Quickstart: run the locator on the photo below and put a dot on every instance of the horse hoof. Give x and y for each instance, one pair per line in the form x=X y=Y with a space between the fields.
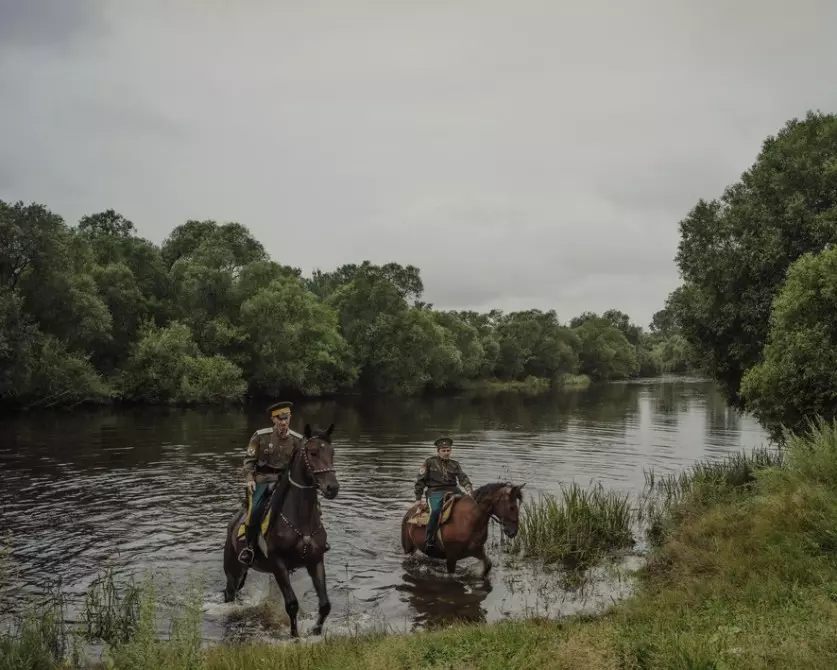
x=317 y=630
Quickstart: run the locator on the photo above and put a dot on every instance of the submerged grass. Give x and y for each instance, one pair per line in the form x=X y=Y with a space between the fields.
x=744 y=576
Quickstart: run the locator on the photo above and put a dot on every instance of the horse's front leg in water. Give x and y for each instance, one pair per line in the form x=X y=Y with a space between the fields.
x=318 y=576
x=486 y=562
x=283 y=579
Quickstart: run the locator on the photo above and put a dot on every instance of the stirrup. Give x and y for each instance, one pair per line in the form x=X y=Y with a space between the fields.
x=246 y=556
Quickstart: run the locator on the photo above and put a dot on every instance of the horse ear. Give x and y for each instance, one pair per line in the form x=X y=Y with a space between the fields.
x=330 y=430
x=307 y=431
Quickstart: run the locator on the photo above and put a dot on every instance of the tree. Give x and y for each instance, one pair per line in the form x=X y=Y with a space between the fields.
x=166 y=366
x=734 y=252
x=605 y=351
x=295 y=340
x=797 y=380
x=405 y=279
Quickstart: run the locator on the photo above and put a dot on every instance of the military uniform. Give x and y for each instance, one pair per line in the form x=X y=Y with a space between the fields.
x=268 y=455
x=267 y=458
x=439 y=476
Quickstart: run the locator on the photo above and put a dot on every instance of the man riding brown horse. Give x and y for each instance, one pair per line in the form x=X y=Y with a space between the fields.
x=439 y=475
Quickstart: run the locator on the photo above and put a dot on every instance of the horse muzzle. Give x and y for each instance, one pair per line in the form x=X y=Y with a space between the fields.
x=330 y=490
x=510 y=530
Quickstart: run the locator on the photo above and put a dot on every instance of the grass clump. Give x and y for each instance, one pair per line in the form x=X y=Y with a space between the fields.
x=575 y=529
x=668 y=500
x=570 y=381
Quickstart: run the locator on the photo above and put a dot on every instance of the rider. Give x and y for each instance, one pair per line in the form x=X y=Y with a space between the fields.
x=439 y=475
x=268 y=455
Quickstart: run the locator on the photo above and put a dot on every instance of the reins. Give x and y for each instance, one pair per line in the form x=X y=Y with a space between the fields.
x=306 y=539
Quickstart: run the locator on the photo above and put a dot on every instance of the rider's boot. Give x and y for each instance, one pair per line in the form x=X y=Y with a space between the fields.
x=247 y=555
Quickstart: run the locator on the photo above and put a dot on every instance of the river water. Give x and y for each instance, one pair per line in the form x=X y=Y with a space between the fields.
x=151 y=489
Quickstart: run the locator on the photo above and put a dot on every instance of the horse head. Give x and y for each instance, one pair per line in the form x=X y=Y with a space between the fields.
x=505 y=502
x=316 y=456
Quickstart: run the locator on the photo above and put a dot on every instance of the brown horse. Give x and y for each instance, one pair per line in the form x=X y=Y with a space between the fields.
x=295 y=536
x=465 y=532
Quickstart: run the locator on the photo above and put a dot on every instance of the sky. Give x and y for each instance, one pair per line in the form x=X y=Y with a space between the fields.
x=526 y=154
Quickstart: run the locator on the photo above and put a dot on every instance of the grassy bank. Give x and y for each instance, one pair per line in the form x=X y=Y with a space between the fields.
x=742 y=574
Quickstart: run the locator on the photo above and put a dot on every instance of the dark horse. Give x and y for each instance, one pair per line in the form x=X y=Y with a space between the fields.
x=296 y=536
x=466 y=531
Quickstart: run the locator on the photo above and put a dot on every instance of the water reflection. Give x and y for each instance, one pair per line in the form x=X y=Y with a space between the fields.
x=152 y=488
x=434 y=597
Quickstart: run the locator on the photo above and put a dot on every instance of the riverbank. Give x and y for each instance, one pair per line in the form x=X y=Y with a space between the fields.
x=742 y=574
x=530 y=386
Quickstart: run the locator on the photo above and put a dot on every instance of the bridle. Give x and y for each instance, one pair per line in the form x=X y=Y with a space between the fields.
x=306 y=537
x=491 y=513
x=311 y=470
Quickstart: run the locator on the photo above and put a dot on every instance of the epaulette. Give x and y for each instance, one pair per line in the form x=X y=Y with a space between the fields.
x=264 y=431
x=295 y=434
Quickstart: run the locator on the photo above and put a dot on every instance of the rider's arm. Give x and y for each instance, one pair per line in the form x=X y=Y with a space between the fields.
x=464 y=480
x=250 y=458
x=420 y=480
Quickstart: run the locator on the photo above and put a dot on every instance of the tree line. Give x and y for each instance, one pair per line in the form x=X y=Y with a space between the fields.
x=758 y=298
x=94 y=312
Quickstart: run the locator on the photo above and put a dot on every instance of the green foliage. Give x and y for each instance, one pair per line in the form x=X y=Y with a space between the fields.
x=166 y=365
x=797 y=377
x=605 y=351
x=97 y=312
x=735 y=251
x=295 y=341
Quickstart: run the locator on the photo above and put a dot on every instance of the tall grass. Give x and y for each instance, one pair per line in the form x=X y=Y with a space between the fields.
x=111 y=613
x=576 y=528
x=667 y=500
x=119 y=615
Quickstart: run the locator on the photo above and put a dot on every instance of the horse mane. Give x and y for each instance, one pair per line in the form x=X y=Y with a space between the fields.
x=322 y=433
x=487 y=490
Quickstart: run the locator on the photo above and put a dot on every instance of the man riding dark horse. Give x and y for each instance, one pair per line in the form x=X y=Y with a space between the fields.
x=439 y=475
x=268 y=455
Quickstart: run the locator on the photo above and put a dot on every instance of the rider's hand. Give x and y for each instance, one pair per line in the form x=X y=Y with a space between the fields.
x=251 y=486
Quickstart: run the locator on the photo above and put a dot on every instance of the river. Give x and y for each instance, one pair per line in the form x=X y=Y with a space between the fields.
x=152 y=489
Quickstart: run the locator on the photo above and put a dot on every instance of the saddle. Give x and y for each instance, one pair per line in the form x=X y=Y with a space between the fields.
x=265 y=524
x=422 y=518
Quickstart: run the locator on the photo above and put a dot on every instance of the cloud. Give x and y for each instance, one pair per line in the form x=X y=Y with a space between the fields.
x=48 y=24
x=538 y=154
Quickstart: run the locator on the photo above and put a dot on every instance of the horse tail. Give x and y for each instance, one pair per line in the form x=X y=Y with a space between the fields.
x=406 y=540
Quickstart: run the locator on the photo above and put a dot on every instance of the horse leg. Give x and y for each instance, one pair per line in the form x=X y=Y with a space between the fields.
x=450 y=564
x=283 y=579
x=235 y=571
x=318 y=576
x=486 y=562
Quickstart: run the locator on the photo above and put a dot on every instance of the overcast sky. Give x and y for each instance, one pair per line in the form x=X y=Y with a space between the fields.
x=522 y=154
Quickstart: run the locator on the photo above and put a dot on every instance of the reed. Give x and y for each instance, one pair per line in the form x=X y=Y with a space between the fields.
x=576 y=528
